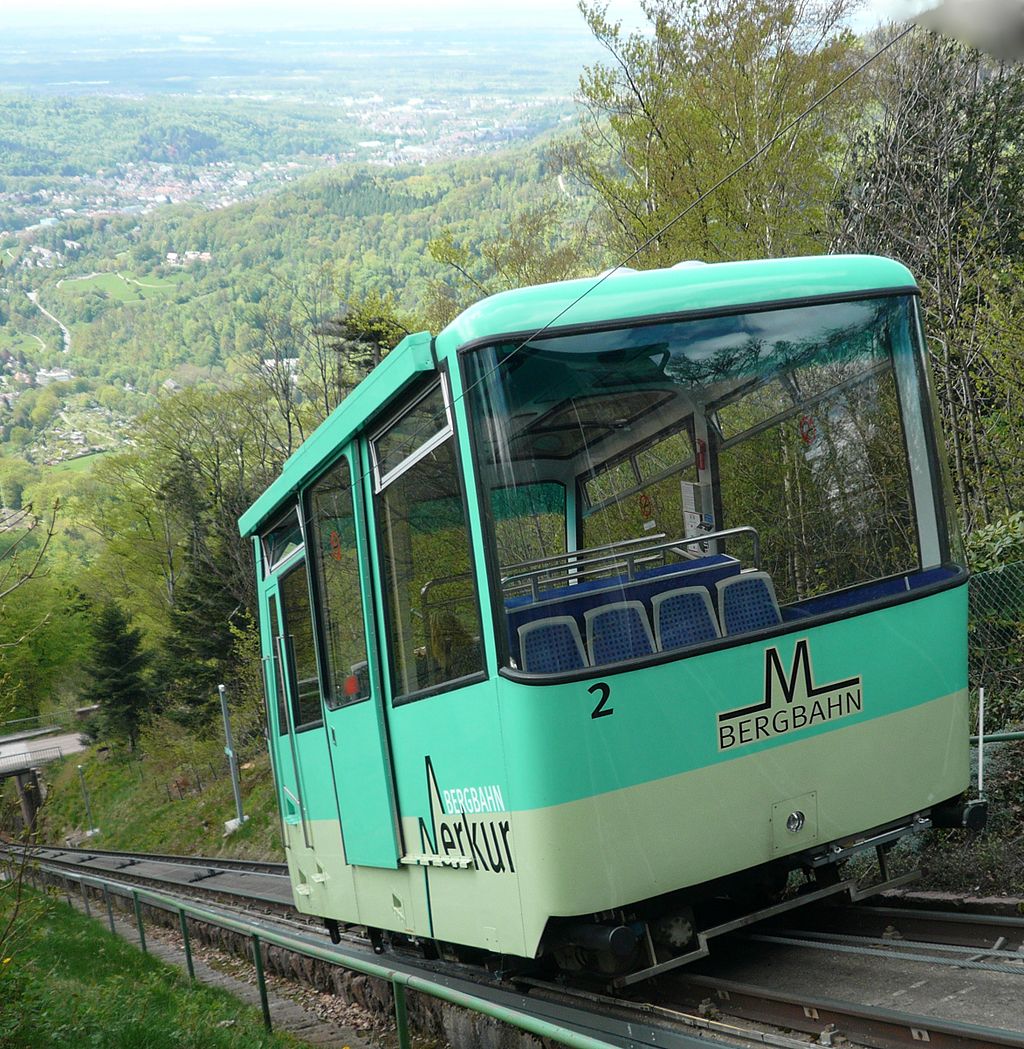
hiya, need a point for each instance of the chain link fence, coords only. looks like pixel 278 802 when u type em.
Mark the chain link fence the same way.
pixel 996 643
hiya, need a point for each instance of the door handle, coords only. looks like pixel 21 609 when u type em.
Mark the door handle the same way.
pixel 286 652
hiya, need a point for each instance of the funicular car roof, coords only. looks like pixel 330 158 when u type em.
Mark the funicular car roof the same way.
pixel 625 294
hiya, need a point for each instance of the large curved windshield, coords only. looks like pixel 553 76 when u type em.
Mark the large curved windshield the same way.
pixel 658 487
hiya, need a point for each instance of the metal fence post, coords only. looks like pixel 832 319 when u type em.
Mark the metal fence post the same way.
pixel 85 898
pixel 401 1015
pixel 110 909
pixel 261 981
pixel 138 920
pixel 183 920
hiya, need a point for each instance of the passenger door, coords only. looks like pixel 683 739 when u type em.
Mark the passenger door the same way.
pixel 280 734
pixel 336 543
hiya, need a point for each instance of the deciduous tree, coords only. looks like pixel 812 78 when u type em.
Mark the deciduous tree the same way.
pixel 711 83
pixel 937 181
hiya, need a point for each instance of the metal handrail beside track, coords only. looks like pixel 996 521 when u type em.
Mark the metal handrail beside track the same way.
pixel 571 1016
pixel 498 1004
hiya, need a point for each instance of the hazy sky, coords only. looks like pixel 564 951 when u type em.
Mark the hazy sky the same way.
pixel 256 14
pixel 183 15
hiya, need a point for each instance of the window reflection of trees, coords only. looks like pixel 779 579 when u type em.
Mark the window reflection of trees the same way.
pixel 336 566
pixel 529 522
pixel 298 624
pixel 827 488
pixel 435 635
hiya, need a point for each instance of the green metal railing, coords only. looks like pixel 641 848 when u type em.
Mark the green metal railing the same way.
pixel 400 981
pixel 999 737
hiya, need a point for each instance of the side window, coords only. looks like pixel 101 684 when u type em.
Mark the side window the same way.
pixel 644 493
pixel 431 603
pixel 278 681
pixel 529 522
pixel 280 543
pixel 822 475
pixel 298 625
pixel 335 561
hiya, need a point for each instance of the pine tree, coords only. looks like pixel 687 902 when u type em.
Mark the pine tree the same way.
pixel 199 651
pixel 116 670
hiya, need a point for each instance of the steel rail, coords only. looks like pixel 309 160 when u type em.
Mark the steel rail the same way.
pixel 879 952
pixel 873 1025
pixel 897 944
pixel 962 928
pixel 227 863
pixel 266 889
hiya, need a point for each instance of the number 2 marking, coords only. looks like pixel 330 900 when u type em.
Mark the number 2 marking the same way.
pixel 600 711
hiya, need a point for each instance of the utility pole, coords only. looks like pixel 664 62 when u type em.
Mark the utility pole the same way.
pixel 229 749
pixel 90 830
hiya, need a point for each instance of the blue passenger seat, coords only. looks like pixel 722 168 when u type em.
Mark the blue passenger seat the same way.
pixel 618 631
pixel 747 602
pixel 684 617
pixel 550 646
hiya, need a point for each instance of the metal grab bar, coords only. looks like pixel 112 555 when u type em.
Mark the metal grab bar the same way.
pixel 572 554
pixel 575 567
pixel 588 550
pixel 704 537
pixel 286 653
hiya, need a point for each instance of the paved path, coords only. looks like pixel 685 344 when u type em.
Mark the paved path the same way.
pixel 68 742
pixel 34 296
pixel 285 1014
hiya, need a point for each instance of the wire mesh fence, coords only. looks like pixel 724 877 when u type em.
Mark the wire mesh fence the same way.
pixel 996 643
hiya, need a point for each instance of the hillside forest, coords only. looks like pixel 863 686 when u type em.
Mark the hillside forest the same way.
pixel 181 355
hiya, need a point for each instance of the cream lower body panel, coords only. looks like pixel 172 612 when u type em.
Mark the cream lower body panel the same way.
pixel 612 849
pixel 606 851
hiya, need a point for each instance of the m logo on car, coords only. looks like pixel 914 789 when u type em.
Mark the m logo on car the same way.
pixel 791 702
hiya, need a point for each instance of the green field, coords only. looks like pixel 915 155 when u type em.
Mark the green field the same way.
pixel 66 981
pixel 16 342
pixel 83 464
pixel 127 287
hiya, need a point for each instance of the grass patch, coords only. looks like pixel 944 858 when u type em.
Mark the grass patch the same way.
pixel 991 863
pixel 127 287
pixel 70 982
pixel 17 342
pixel 83 464
pixel 154 805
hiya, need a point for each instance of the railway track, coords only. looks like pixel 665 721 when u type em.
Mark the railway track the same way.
pixel 706 1000
pixel 249 881
pixel 896 925
pixel 228 863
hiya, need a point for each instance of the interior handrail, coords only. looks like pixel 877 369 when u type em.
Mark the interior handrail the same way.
pixel 574 566
pixel 585 550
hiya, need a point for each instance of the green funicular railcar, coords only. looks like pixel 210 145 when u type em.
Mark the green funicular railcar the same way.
pixel 574 618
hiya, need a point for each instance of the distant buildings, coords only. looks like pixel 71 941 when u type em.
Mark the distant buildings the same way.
pixel 188 258
pixel 47 375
